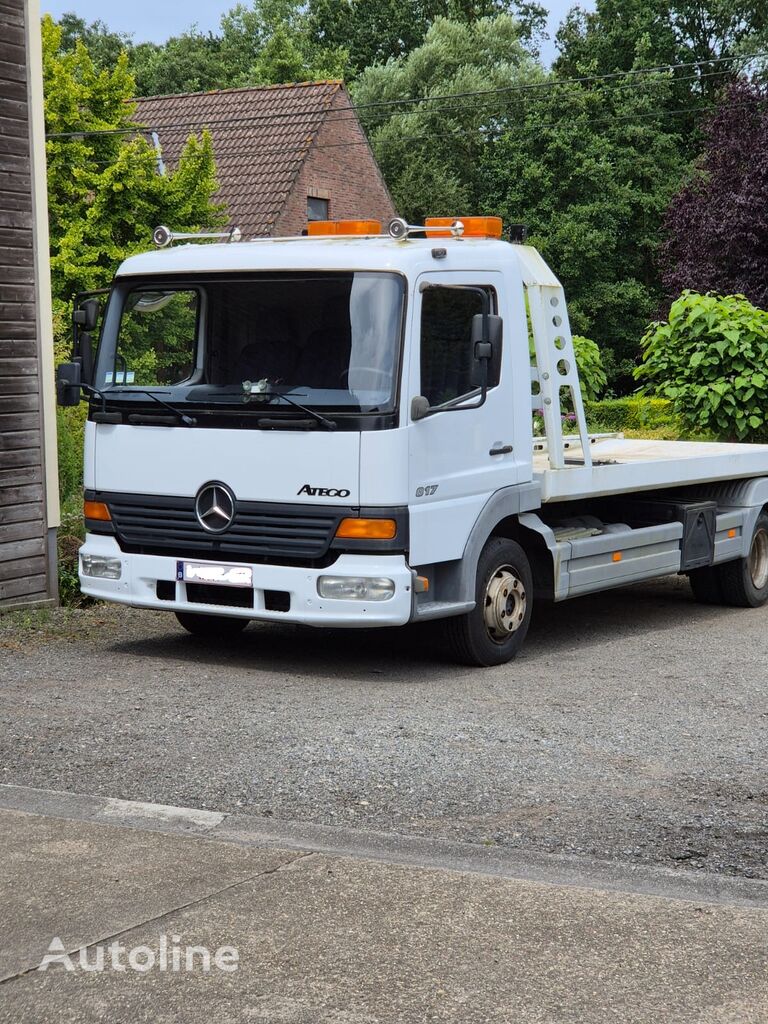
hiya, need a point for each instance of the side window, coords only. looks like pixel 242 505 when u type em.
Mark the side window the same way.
pixel 157 344
pixel 446 341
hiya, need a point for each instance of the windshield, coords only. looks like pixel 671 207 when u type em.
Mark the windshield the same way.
pixel 326 340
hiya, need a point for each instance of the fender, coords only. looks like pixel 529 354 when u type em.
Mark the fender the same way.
pixel 751 495
pixel 455 590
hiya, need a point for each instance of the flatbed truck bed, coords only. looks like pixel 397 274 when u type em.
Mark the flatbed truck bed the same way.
pixel 625 465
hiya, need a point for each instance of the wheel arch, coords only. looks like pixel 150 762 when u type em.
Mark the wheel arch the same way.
pixel 535 547
pixel 500 516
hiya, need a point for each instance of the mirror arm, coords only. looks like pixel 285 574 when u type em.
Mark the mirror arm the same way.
pixel 98 394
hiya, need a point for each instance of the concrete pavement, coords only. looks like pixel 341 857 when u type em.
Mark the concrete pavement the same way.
pixel 349 939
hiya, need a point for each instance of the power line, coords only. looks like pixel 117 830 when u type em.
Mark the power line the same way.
pixel 470 94
pixel 461 133
pixel 180 128
pixel 537 126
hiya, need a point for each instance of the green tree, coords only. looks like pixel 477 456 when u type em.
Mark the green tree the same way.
pixel 619 35
pixel 103 45
pixel 190 62
pixel 430 151
pixel 374 31
pixel 104 191
pixel 591 169
pixel 271 42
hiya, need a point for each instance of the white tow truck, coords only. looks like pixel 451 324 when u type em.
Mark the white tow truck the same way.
pixel 336 430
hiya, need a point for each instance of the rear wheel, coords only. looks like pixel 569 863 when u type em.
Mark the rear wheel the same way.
pixel 494 631
pixel 744 583
pixel 212 627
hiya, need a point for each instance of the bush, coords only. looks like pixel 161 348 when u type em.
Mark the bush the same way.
pixel 590 366
pixel 70 426
pixel 635 414
pixel 711 361
pixel 71 536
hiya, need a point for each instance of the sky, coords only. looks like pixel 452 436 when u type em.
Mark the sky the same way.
pixel 155 20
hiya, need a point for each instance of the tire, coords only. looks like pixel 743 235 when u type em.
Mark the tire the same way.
pixel 744 582
pixel 211 627
pixel 503 594
pixel 705 584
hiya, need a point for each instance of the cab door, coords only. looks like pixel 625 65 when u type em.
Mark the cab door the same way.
pixel 458 457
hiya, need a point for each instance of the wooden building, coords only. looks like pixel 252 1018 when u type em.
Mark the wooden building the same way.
pixel 29 506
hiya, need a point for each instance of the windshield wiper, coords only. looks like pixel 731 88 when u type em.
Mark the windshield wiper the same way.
pixel 318 417
pixel 188 421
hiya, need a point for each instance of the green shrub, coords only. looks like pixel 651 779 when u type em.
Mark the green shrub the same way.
pixel 636 413
pixel 711 361
pixel 70 425
pixel 70 536
pixel 590 366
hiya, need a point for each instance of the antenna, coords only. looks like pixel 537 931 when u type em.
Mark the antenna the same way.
pixel 163 236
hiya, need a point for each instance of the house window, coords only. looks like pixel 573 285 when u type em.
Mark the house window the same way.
pixel 317 208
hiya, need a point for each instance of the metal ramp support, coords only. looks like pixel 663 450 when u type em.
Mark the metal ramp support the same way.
pixel 556 371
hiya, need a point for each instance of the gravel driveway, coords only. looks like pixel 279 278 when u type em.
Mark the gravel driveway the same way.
pixel 632 727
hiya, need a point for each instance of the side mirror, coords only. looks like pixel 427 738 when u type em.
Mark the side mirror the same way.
pixel 419 407
pixel 86 316
pixel 487 337
pixel 68 380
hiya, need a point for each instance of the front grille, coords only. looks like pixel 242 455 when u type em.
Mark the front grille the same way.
pixel 293 534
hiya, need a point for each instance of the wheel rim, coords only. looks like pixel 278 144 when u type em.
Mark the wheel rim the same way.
pixel 758 559
pixel 505 604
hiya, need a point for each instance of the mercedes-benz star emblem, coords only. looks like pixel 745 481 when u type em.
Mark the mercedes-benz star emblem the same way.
pixel 215 507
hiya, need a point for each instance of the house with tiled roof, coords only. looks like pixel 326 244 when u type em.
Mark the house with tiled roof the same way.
pixel 284 154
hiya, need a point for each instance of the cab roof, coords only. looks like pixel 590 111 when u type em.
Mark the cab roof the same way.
pixel 409 256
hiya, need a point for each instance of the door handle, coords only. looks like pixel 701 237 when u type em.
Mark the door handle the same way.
pixel 504 450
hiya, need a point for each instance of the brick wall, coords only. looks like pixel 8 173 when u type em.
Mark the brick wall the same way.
pixel 341 168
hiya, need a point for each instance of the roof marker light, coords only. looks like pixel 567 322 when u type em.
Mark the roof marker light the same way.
pixel 468 227
pixel 344 227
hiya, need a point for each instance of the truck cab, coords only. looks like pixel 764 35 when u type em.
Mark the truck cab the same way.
pixel 336 430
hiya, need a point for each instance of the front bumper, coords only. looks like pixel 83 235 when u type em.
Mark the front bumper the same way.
pixel 137 586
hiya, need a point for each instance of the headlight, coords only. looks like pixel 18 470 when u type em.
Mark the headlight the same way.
pixel 356 588
pixel 101 566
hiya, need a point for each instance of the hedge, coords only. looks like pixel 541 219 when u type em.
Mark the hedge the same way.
pixel 635 413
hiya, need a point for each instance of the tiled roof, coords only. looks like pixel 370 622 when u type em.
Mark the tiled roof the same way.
pixel 260 139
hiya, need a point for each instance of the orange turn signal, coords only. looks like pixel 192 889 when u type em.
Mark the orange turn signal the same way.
pixel 474 227
pixel 96 510
pixel 367 529
pixel 344 227
pixel 616 556
pixel 731 534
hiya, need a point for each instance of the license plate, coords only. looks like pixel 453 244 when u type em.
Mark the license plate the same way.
pixel 209 572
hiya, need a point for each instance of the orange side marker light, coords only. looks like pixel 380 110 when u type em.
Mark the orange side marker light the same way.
pixel 96 510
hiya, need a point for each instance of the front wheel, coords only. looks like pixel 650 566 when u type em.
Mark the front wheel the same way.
pixel 211 627
pixel 494 631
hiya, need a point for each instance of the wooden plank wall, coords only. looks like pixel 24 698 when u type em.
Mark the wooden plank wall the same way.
pixel 23 527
